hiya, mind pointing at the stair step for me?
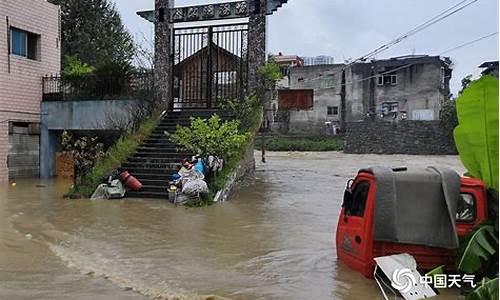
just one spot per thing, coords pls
(165, 177)
(159, 140)
(154, 182)
(149, 165)
(155, 160)
(160, 135)
(151, 171)
(154, 143)
(148, 195)
(160, 155)
(168, 149)
(154, 189)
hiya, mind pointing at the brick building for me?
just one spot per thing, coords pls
(29, 49)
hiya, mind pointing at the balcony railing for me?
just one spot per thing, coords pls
(137, 86)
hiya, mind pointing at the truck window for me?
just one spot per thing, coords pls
(466, 208)
(359, 196)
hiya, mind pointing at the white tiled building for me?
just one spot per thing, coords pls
(29, 49)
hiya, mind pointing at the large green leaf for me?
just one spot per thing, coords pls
(476, 136)
(480, 246)
(488, 290)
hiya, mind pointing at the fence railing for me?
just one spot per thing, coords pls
(98, 87)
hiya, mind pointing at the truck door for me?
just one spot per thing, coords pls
(355, 227)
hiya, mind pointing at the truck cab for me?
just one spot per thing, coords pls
(355, 241)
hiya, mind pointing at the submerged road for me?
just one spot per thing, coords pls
(274, 240)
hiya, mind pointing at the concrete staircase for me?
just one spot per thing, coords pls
(157, 158)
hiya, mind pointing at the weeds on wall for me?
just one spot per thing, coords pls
(112, 159)
(86, 151)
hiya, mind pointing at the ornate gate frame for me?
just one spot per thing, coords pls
(166, 14)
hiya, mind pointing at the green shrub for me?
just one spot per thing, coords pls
(210, 137)
(76, 68)
(245, 111)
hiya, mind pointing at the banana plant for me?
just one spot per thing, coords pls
(476, 136)
(478, 248)
(487, 290)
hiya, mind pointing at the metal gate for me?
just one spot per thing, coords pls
(210, 65)
(23, 160)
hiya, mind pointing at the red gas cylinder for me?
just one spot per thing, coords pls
(130, 181)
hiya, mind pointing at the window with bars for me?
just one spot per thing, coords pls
(332, 110)
(387, 79)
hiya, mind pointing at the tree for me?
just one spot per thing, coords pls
(466, 81)
(92, 30)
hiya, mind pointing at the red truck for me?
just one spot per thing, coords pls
(412, 195)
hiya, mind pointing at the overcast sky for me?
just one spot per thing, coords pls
(350, 28)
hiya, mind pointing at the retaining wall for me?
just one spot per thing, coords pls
(404, 137)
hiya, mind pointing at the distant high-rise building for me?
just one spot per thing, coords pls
(318, 60)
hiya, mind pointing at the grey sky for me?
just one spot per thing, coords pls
(350, 28)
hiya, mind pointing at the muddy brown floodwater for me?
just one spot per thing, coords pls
(274, 240)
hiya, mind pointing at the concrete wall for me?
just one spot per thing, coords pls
(404, 137)
(76, 115)
(422, 84)
(326, 82)
(20, 77)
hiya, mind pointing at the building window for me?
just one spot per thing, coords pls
(332, 110)
(327, 82)
(387, 79)
(23, 43)
(390, 107)
(443, 77)
(227, 77)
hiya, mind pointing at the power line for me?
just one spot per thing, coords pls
(446, 51)
(412, 64)
(439, 17)
(469, 43)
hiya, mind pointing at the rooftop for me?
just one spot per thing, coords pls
(489, 64)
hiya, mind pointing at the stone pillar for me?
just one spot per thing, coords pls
(48, 144)
(162, 58)
(256, 42)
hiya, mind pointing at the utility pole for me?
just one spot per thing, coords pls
(343, 101)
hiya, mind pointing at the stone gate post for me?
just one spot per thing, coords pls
(163, 47)
(256, 41)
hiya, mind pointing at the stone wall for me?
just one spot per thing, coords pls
(405, 137)
(245, 168)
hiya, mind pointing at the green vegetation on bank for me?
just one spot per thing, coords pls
(274, 143)
(228, 140)
(113, 158)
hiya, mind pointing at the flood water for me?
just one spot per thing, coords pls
(274, 240)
